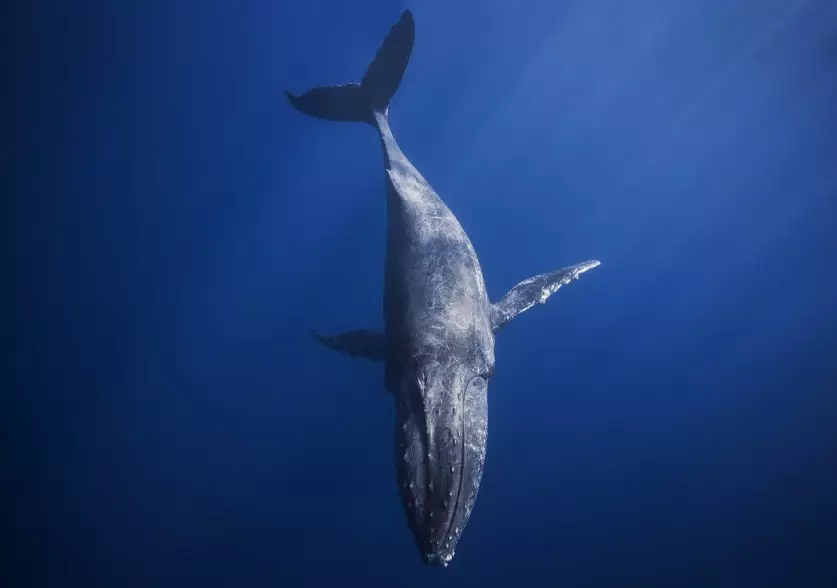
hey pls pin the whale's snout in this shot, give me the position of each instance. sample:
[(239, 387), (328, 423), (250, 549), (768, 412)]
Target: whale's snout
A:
[(442, 557), (440, 456)]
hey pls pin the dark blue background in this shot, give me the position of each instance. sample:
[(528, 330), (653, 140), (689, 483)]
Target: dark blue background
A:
[(668, 420)]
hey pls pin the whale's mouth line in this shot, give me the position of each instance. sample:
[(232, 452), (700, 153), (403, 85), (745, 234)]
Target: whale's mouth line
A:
[(448, 539)]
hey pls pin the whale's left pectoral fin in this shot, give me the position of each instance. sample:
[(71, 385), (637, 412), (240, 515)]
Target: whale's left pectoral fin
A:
[(534, 291), (360, 343)]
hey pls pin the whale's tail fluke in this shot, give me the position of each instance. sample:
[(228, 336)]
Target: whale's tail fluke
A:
[(361, 101)]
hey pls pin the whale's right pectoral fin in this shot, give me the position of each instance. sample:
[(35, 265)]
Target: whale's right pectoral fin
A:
[(360, 343), (534, 291)]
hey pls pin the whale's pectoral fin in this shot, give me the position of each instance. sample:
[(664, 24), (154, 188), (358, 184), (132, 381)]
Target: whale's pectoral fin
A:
[(360, 343), (533, 291)]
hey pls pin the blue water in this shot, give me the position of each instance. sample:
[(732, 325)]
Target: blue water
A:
[(668, 420)]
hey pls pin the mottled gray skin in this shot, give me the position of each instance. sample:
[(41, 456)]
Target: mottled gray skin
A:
[(440, 354), (438, 344)]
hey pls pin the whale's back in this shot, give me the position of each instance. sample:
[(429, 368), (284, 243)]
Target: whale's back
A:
[(432, 269)]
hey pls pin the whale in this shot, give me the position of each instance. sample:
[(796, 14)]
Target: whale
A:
[(437, 344)]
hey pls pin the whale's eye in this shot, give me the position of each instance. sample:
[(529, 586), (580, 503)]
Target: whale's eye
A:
[(489, 371), (477, 384)]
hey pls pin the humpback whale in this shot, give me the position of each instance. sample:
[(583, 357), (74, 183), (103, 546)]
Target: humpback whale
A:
[(437, 346)]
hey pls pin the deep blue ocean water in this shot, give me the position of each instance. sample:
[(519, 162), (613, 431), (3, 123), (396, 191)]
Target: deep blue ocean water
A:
[(668, 420)]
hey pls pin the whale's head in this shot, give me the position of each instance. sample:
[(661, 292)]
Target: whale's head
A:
[(441, 428)]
